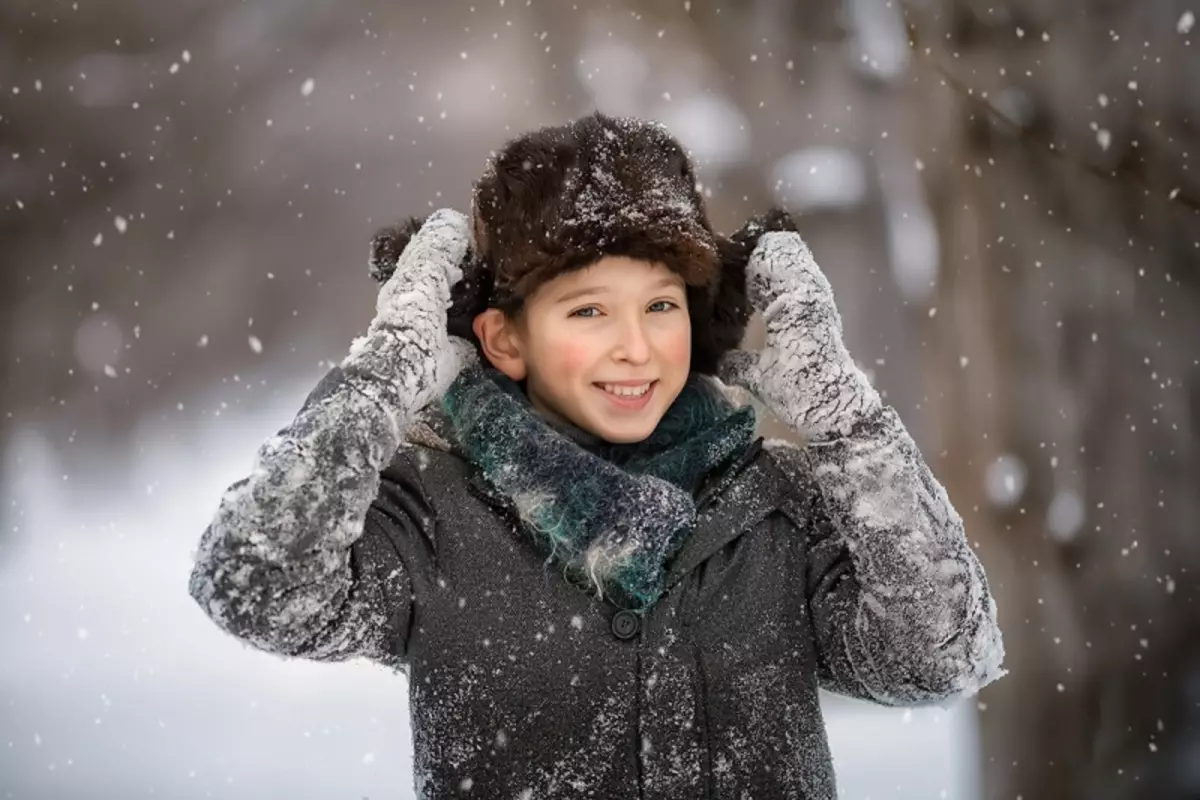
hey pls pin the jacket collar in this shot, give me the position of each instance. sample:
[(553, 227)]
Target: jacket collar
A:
[(719, 523)]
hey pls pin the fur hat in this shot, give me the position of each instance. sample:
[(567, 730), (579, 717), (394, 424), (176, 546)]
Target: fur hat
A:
[(562, 197)]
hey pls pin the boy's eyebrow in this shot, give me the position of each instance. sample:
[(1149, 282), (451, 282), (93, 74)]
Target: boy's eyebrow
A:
[(581, 292), (571, 295)]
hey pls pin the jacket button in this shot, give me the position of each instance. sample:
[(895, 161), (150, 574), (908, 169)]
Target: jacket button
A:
[(625, 624)]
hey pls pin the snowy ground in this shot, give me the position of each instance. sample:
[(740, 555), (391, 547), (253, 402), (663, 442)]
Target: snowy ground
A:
[(114, 685)]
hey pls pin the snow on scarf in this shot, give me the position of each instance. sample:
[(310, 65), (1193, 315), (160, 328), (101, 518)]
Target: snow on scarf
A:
[(610, 514)]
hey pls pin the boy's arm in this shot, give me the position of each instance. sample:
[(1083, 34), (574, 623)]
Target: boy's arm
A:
[(291, 563), (899, 602)]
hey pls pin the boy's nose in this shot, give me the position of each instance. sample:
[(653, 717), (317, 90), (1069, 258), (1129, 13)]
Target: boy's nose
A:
[(634, 346)]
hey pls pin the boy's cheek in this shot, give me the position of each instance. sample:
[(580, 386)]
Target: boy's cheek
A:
[(679, 349), (569, 357)]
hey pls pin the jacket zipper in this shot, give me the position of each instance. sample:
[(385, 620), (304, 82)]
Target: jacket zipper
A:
[(701, 688)]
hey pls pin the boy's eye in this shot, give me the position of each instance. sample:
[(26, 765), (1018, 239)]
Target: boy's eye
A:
[(657, 306)]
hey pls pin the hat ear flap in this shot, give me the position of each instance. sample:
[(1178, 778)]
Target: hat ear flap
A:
[(387, 245), (735, 251), (776, 219), (469, 296), (731, 303), (729, 314)]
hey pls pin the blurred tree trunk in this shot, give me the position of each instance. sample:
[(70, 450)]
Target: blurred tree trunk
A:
[(1068, 375)]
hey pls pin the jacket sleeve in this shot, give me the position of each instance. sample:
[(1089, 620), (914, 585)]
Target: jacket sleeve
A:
[(899, 602), (290, 563)]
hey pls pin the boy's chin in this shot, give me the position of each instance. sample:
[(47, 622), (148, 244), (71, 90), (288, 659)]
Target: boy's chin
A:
[(624, 439), (624, 434)]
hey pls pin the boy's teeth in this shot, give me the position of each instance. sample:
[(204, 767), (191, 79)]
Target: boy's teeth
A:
[(626, 391)]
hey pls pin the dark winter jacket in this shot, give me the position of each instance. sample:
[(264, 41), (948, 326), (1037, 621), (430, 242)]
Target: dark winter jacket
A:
[(523, 686)]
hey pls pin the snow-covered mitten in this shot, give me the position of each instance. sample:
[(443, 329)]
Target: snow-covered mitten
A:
[(804, 374), (924, 623), (407, 357)]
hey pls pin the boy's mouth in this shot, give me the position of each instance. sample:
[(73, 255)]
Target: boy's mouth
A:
[(626, 396), (627, 389)]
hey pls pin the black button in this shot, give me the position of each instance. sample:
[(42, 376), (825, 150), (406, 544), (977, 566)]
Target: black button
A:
[(625, 624)]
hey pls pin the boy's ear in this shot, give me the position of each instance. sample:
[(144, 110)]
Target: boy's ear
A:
[(500, 341)]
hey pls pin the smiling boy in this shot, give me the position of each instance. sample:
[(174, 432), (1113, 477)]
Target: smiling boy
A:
[(527, 488)]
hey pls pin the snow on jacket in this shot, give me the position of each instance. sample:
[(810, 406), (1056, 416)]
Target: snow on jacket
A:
[(363, 532)]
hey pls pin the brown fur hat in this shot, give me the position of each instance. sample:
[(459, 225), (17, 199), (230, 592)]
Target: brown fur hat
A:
[(562, 197)]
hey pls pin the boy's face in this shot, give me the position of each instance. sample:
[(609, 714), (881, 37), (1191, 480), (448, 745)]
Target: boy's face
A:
[(607, 347)]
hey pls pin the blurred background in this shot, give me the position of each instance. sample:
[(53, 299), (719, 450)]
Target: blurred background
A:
[(1004, 194)]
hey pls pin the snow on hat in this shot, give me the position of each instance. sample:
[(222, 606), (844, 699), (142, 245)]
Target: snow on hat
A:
[(562, 197)]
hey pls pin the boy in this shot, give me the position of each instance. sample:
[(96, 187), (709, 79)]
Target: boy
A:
[(598, 581)]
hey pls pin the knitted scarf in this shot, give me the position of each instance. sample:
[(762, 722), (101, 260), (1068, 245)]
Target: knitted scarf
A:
[(611, 515)]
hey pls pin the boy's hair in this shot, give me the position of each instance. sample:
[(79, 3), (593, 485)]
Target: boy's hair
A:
[(560, 198)]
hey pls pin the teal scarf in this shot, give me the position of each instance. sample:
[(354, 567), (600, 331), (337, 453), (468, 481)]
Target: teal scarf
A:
[(611, 515)]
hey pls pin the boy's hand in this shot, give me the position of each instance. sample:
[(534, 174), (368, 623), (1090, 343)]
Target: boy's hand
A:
[(430, 263), (407, 349), (804, 374)]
